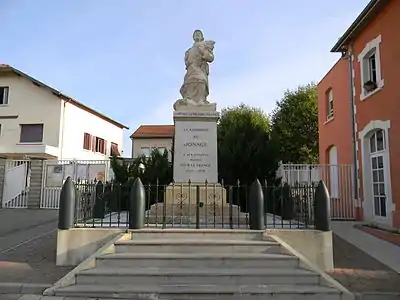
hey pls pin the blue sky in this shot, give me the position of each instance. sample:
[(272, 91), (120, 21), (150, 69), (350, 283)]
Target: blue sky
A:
[(125, 58)]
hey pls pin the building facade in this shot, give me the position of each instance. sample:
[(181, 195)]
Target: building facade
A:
[(37, 121), (149, 137), (359, 111)]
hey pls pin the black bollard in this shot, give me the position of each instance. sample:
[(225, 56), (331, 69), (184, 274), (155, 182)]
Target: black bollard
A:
[(99, 207), (322, 216), (66, 213), (137, 201), (256, 206)]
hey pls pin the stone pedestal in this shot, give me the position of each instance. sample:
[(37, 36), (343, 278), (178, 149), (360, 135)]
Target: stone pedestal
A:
[(195, 147), (210, 194), (181, 207), (195, 160)]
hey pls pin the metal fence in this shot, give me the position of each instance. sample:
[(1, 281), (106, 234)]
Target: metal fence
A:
[(194, 205), (55, 172), (16, 183), (338, 179)]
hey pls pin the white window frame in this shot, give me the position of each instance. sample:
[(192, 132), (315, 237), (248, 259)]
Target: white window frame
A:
[(330, 114), (371, 48), (6, 95)]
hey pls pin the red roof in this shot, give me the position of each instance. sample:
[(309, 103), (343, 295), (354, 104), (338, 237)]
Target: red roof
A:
[(7, 68), (154, 131)]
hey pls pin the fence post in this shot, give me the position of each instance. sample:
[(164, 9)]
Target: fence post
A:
[(256, 206), (197, 207), (322, 217), (66, 213), (230, 199), (98, 209), (137, 205)]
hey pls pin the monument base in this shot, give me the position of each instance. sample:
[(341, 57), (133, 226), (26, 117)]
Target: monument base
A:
[(210, 194), (181, 207), (195, 146)]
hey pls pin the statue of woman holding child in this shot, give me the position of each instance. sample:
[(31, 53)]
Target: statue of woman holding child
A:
[(195, 88)]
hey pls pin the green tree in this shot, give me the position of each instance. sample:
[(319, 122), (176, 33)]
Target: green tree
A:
[(157, 168), (295, 126), (244, 151), (156, 176)]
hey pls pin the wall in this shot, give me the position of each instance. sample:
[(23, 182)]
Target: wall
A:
[(78, 121), (28, 102), (383, 105), (336, 132), (138, 143), (77, 244)]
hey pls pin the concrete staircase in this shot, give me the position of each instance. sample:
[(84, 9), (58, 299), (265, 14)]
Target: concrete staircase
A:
[(199, 264)]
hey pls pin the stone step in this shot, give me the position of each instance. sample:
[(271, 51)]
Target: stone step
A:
[(196, 234), (203, 221), (203, 276), (196, 246), (201, 292), (196, 260)]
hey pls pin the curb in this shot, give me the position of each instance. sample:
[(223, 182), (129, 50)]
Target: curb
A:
[(22, 288)]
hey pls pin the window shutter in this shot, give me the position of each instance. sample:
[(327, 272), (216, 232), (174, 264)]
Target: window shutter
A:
[(93, 143), (104, 147)]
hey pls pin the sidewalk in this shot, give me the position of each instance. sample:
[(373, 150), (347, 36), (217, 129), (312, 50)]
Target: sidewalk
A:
[(12, 220), (385, 252)]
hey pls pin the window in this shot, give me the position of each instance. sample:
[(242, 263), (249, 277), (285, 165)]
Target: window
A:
[(329, 113), (333, 173), (87, 141), (4, 95), (377, 141), (372, 67), (100, 145), (161, 149), (371, 75), (114, 150), (145, 151), (31, 133)]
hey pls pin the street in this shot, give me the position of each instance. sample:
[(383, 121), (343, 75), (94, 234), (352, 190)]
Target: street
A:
[(28, 246)]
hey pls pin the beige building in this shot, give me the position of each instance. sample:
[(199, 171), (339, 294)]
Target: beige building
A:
[(149, 137)]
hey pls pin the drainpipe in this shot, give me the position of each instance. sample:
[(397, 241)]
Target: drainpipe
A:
[(62, 131), (349, 57)]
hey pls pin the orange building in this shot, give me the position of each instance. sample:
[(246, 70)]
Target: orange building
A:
[(359, 111)]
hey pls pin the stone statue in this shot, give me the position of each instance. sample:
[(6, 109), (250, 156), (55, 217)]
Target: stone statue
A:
[(195, 88)]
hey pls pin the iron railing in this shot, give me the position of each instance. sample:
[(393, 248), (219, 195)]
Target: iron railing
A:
[(338, 179), (188, 205)]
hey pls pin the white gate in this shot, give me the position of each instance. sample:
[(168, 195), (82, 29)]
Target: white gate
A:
[(16, 183), (56, 172), (338, 179)]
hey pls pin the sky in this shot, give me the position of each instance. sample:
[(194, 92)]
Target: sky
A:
[(125, 58)]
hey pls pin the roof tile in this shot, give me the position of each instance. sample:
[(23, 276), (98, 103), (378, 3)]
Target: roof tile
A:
[(146, 131)]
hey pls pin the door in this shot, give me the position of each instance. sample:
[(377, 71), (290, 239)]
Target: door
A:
[(378, 185)]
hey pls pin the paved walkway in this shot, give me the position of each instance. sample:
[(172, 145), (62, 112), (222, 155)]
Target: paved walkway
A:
[(28, 239), (385, 252)]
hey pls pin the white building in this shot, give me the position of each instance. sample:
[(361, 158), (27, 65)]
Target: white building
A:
[(37, 121), (149, 137)]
